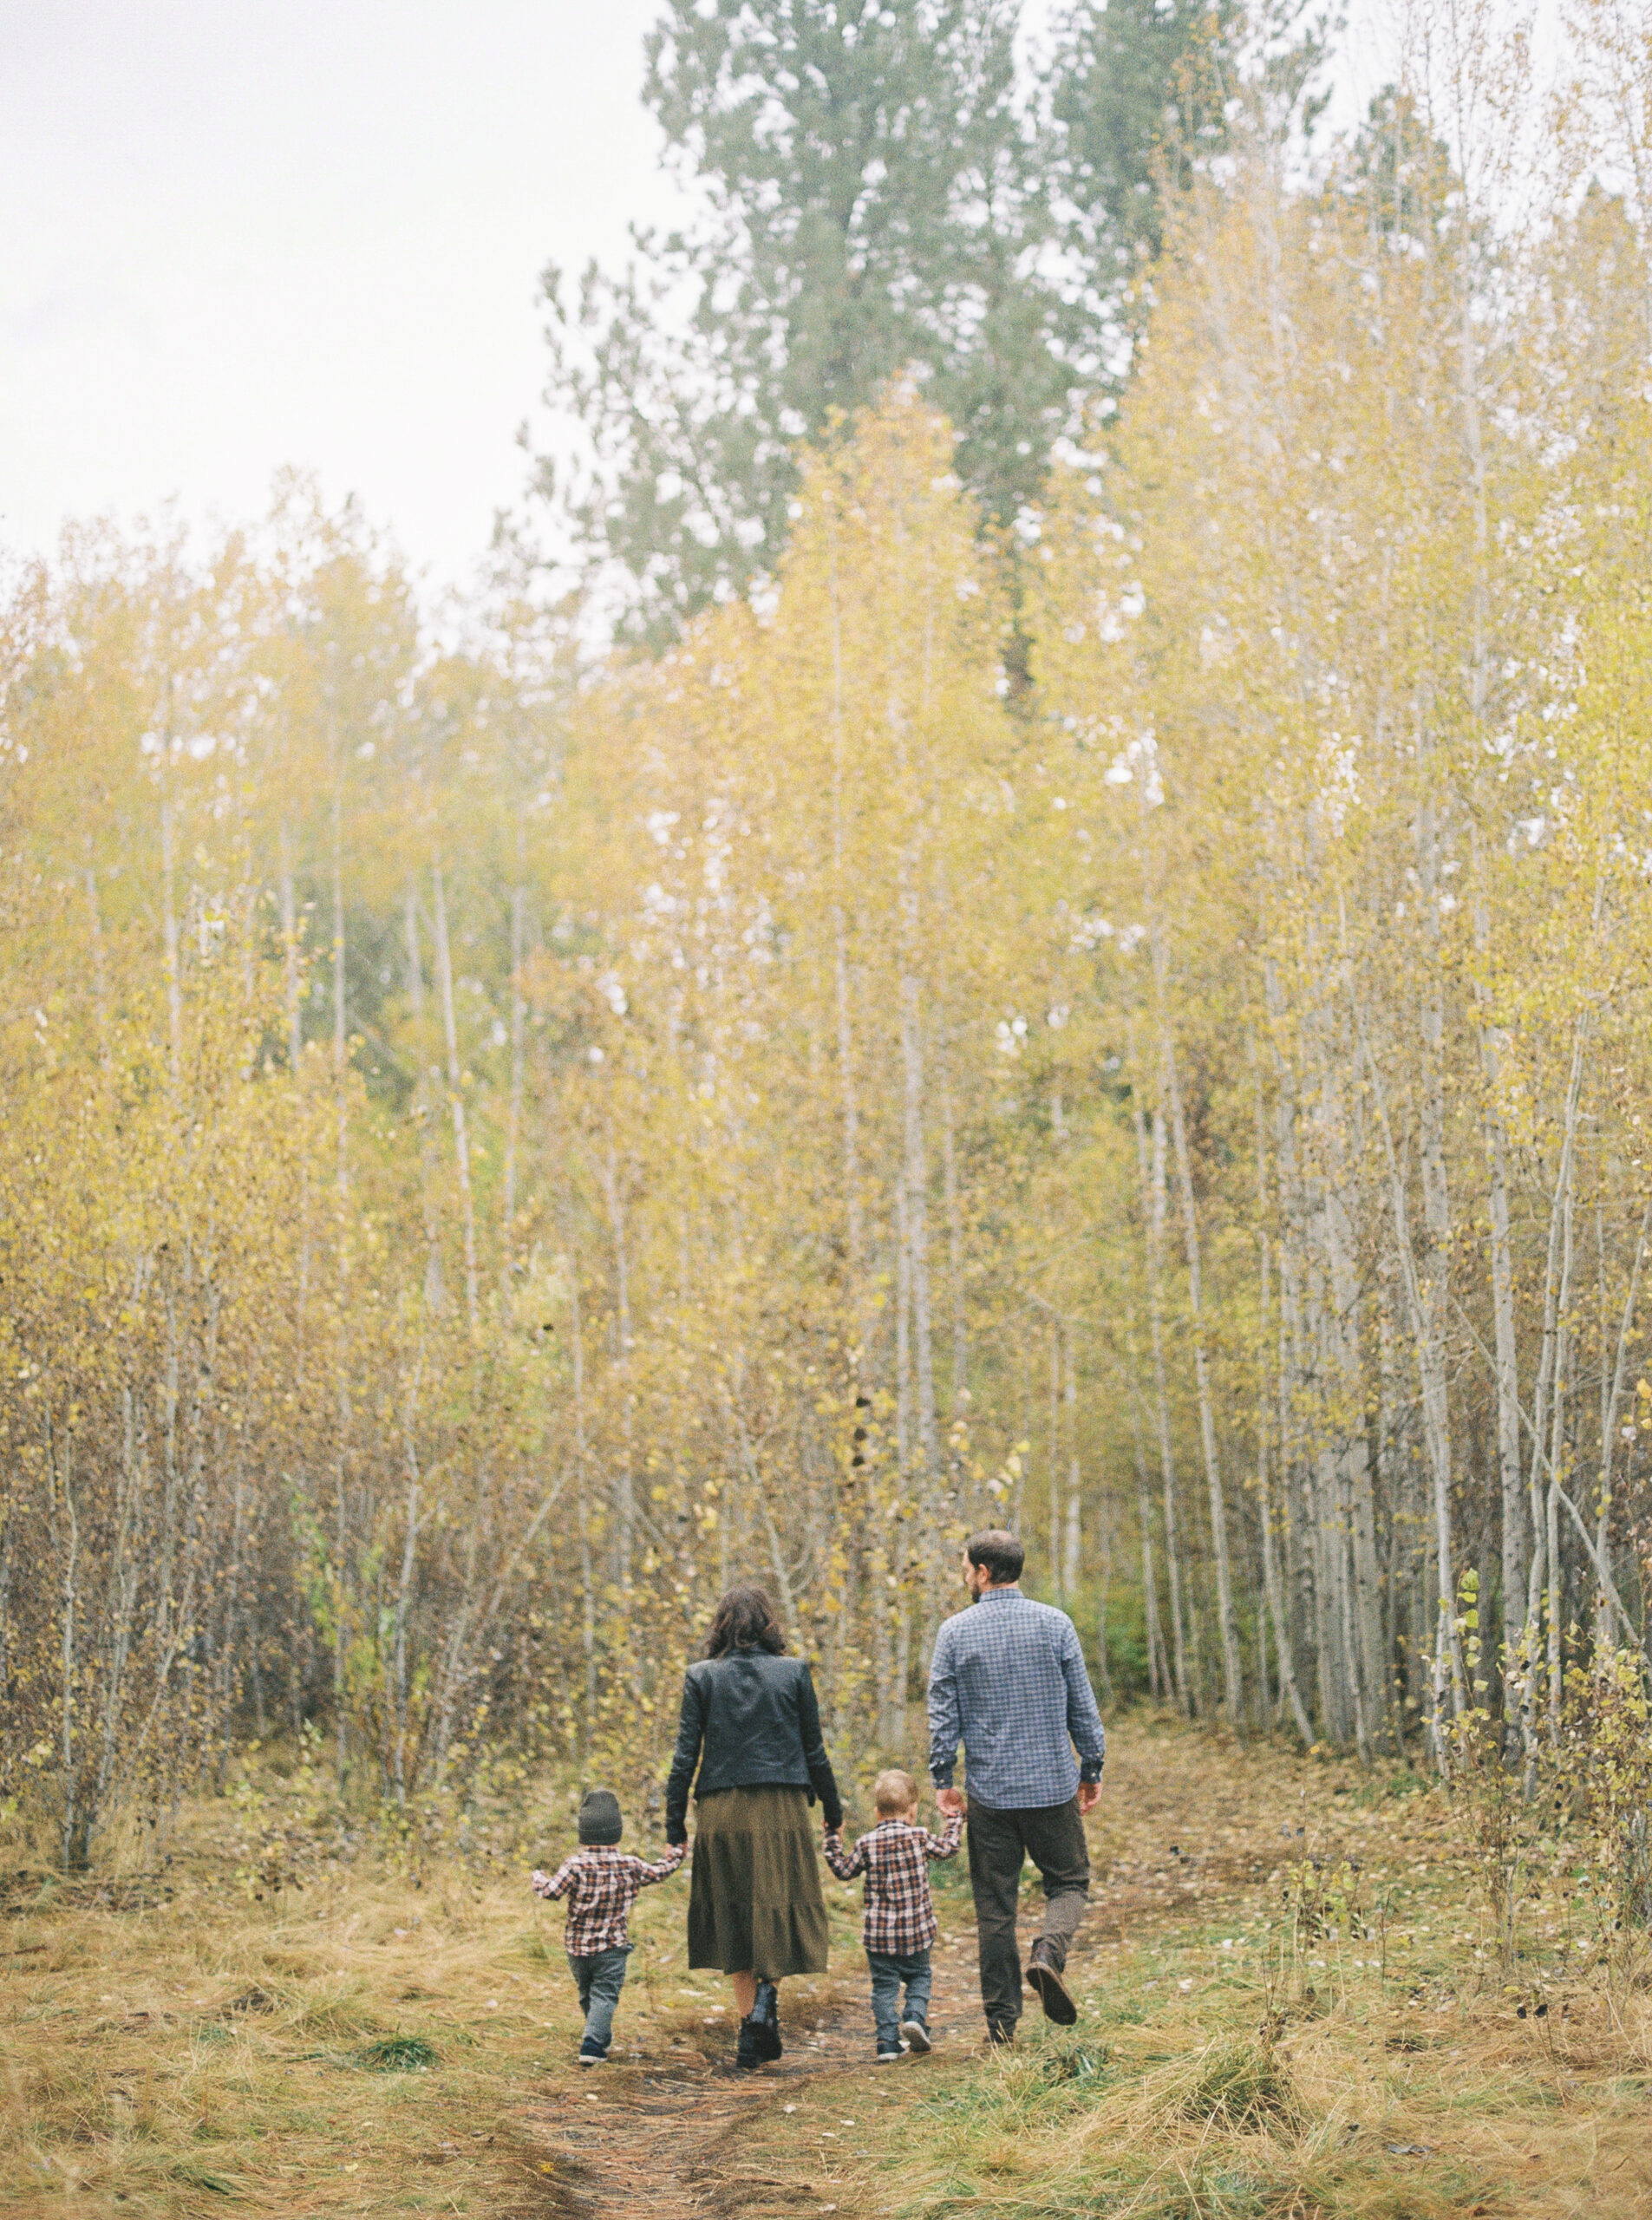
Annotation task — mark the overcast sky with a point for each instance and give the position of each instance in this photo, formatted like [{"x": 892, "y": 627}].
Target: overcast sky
[
  {"x": 247, "y": 233},
  {"x": 244, "y": 235}
]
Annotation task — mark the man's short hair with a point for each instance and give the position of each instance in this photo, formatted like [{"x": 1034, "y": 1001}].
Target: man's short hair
[
  {"x": 997, "y": 1553},
  {"x": 893, "y": 1792}
]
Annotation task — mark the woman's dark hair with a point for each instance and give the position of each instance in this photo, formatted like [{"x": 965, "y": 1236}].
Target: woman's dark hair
[{"x": 744, "y": 1620}]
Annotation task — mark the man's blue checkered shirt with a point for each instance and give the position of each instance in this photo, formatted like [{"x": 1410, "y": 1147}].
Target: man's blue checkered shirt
[{"x": 1009, "y": 1680}]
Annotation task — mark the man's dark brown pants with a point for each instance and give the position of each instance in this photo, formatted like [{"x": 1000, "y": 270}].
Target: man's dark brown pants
[{"x": 1000, "y": 1843}]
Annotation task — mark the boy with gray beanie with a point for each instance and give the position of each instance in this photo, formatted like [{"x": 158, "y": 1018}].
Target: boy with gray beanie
[{"x": 601, "y": 1883}]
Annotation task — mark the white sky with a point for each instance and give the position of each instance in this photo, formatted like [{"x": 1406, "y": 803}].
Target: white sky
[{"x": 244, "y": 235}]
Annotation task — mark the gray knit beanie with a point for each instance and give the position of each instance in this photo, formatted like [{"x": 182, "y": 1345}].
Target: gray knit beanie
[{"x": 599, "y": 1820}]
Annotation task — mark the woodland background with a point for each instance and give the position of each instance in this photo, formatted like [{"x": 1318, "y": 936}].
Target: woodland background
[{"x": 1080, "y": 960}]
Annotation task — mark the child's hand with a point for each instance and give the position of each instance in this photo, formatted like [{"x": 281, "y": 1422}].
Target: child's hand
[{"x": 538, "y": 1881}]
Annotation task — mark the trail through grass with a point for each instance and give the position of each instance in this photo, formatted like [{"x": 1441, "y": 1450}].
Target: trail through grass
[{"x": 1283, "y": 2015}]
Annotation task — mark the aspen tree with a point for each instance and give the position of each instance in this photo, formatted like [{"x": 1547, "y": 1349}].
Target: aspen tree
[{"x": 818, "y": 1137}]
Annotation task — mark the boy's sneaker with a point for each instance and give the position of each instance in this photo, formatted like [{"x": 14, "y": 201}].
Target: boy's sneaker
[
  {"x": 890, "y": 2054},
  {"x": 591, "y": 2053},
  {"x": 916, "y": 2036}
]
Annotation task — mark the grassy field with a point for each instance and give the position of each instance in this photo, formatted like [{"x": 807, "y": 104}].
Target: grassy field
[{"x": 1290, "y": 2007}]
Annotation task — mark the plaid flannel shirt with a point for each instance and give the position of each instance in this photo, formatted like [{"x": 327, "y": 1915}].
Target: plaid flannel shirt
[
  {"x": 900, "y": 1911},
  {"x": 1009, "y": 1681},
  {"x": 601, "y": 1884}
]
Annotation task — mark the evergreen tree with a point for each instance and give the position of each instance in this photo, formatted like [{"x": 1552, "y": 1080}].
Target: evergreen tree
[
  {"x": 881, "y": 192},
  {"x": 1135, "y": 91},
  {"x": 875, "y": 200}
]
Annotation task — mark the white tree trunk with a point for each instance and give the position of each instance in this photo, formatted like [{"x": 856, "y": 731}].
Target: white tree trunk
[
  {"x": 171, "y": 949},
  {"x": 519, "y": 1064},
  {"x": 456, "y": 1095},
  {"x": 624, "y": 1482},
  {"x": 1611, "y": 1404},
  {"x": 915, "y": 1170},
  {"x": 1074, "y": 1539},
  {"x": 1447, "y": 1668},
  {"x": 1232, "y": 1689},
  {"x": 1153, "y": 1210},
  {"x": 954, "y": 1244},
  {"x": 1434, "y": 1288},
  {"x": 1510, "y": 1478},
  {"x": 435, "y": 1293},
  {"x": 99, "y": 970},
  {"x": 289, "y": 949},
  {"x": 1543, "y": 1508},
  {"x": 1158, "y": 1663}
]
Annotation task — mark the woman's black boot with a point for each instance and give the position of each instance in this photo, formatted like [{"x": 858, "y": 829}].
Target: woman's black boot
[
  {"x": 748, "y": 2053},
  {"x": 765, "y": 2020}
]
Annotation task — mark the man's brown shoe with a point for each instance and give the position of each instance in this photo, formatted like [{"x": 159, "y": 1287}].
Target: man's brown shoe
[{"x": 1052, "y": 1991}]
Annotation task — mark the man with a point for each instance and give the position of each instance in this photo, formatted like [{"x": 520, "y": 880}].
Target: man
[{"x": 1008, "y": 1678}]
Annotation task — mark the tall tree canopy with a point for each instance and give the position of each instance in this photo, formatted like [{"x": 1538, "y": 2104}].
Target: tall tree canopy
[
  {"x": 881, "y": 191},
  {"x": 486, "y": 1160}
]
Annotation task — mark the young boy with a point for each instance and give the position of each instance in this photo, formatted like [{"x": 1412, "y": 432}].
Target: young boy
[
  {"x": 900, "y": 1923},
  {"x": 601, "y": 1883}
]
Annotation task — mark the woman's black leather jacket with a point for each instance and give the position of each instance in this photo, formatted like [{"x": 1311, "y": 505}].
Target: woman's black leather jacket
[{"x": 750, "y": 1721}]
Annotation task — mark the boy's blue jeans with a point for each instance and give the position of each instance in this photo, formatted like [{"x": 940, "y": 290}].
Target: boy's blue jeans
[
  {"x": 599, "y": 1979},
  {"x": 889, "y": 1975}
]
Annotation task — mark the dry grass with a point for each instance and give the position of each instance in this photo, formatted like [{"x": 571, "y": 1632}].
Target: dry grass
[
  {"x": 163, "y": 2062},
  {"x": 1376, "y": 2067},
  {"x": 364, "y": 2040},
  {"x": 395, "y": 2035}
]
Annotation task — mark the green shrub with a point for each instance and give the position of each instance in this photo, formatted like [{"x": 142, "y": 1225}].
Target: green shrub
[{"x": 400, "y": 2054}]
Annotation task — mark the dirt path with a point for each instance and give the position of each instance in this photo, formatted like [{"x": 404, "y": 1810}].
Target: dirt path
[{"x": 664, "y": 2142}]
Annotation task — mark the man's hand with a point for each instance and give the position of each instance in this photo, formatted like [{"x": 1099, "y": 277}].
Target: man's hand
[
  {"x": 1089, "y": 1795},
  {"x": 951, "y": 1802}
]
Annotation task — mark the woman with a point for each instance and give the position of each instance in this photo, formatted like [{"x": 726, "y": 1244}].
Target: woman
[{"x": 751, "y": 1723}]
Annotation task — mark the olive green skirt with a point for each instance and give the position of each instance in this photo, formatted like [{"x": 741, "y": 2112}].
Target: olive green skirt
[{"x": 754, "y": 1901}]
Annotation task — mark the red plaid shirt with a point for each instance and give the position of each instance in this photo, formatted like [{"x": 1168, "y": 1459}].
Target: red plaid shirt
[
  {"x": 900, "y": 1911},
  {"x": 601, "y": 1884}
]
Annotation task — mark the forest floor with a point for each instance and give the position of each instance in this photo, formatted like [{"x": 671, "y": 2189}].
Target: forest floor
[{"x": 379, "y": 2042}]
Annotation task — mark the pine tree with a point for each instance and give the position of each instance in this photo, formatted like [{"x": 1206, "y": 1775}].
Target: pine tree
[{"x": 873, "y": 203}]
